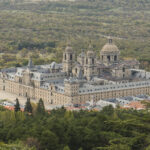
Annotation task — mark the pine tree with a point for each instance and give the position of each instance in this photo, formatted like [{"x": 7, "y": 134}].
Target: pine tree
[
  {"x": 28, "y": 106},
  {"x": 17, "y": 106},
  {"x": 40, "y": 107}
]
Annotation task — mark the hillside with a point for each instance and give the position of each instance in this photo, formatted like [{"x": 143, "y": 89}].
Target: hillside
[{"x": 42, "y": 29}]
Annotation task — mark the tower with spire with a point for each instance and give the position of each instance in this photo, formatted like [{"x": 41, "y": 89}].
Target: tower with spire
[
  {"x": 81, "y": 57},
  {"x": 30, "y": 63},
  {"x": 90, "y": 68},
  {"x": 68, "y": 60}
]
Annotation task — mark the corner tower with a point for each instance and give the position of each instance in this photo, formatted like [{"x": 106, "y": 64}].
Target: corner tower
[{"x": 68, "y": 60}]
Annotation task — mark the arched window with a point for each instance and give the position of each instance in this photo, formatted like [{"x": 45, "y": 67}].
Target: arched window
[
  {"x": 123, "y": 69},
  {"x": 70, "y": 56},
  {"x": 123, "y": 76},
  {"x": 65, "y": 57},
  {"x": 115, "y": 58},
  {"x": 92, "y": 60},
  {"x": 76, "y": 70},
  {"x": 51, "y": 101},
  {"x": 108, "y": 58},
  {"x": 19, "y": 80},
  {"x": 86, "y": 61}
]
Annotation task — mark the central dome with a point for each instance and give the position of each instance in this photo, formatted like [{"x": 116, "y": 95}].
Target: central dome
[
  {"x": 69, "y": 49},
  {"x": 110, "y": 47}
]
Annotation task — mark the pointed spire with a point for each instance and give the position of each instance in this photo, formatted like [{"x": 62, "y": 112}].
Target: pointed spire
[
  {"x": 80, "y": 75},
  {"x": 82, "y": 54},
  {"x": 30, "y": 64},
  {"x": 68, "y": 47},
  {"x": 90, "y": 47},
  {"x": 90, "y": 51},
  {"x": 68, "y": 43}
]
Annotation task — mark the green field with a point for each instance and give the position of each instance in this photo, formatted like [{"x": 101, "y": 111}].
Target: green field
[{"x": 41, "y": 30}]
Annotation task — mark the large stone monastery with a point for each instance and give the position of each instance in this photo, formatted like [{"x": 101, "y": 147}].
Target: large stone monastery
[{"x": 78, "y": 81}]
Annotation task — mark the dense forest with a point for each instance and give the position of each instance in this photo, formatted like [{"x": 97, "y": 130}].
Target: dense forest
[
  {"x": 109, "y": 129},
  {"x": 42, "y": 29}
]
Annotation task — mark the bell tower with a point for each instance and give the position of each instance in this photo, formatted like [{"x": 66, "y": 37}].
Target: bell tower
[
  {"x": 90, "y": 68},
  {"x": 68, "y": 59}
]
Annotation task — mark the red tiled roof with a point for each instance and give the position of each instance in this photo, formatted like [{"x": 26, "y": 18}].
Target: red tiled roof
[
  {"x": 12, "y": 108},
  {"x": 135, "y": 105}
]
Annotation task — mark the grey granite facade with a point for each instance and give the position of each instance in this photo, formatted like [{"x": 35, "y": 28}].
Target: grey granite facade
[{"x": 77, "y": 81}]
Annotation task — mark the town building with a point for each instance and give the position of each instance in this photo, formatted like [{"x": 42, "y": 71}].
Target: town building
[{"x": 78, "y": 80}]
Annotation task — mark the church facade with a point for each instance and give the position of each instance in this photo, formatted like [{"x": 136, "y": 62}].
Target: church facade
[{"x": 78, "y": 80}]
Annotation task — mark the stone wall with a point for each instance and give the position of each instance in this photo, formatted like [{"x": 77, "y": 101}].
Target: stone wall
[{"x": 54, "y": 97}]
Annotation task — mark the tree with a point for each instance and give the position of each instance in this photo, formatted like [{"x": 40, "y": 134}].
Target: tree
[
  {"x": 66, "y": 148},
  {"x": 28, "y": 106},
  {"x": 34, "y": 108},
  {"x": 17, "y": 106},
  {"x": 49, "y": 140},
  {"x": 108, "y": 110},
  {"x": 146, "y": 104},
  {"x": 40, "y": 107}
]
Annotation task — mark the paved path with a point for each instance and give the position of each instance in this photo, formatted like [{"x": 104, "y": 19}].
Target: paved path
[
  {"x": 22, "y": 100},
  {"x": 12, "y": 97}
]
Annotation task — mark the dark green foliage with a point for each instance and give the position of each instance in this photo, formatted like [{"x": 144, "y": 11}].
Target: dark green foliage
[
  {"x": 49, "y": 140},
  {"x": 109, "y": 110},
  {"x": 66, "y": 148},
  {"x": 40, "y": 107},
  {"x": 113, "y": 129},
  {"x": 2, "y": 108},
  {"x": 28, "y": 106},
  {"x": 17, "y": 105}
]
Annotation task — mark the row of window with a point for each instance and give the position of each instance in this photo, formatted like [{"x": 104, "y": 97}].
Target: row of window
[
  {"x": 70, "y": 57},
  {"x": 109, "y": 58}
]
